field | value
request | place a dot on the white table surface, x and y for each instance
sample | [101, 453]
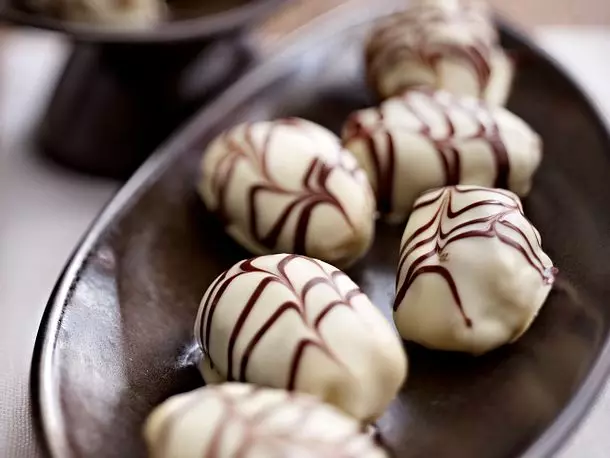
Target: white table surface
[45, 209]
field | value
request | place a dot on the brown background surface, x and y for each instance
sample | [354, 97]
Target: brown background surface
[538, 12]
[527, 13]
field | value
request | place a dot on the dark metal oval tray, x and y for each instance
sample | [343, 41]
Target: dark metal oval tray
[116, 336]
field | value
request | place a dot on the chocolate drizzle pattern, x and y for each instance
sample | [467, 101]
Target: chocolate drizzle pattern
[251, 410]
[449, 225]
[378, 136]
[416, 35]
[313, 192]
[210, 305]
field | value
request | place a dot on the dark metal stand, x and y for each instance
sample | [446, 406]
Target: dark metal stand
[115, 103]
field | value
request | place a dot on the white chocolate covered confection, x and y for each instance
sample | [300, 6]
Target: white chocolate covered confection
[428, 139]
[235, 420]
[289, 186]
[296, 323]
[472, 275]
[449, 44]
[110, 13]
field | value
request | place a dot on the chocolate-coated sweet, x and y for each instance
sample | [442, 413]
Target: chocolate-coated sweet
[472, 275]
[449, 44]
[289, 186]
[297, 323]
[236, 420]
[427, 139]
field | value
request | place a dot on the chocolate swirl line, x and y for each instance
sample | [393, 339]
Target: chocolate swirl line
[253, 425]
[407, 36]
[384, 171]
[314, 190]
[446, 146]
[442, 239]
[297, 305]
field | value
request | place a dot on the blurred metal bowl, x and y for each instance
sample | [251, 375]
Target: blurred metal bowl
[215, 23]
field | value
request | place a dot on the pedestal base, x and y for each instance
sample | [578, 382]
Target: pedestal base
[116, 103]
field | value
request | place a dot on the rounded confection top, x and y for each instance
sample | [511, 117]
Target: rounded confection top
[251, 422]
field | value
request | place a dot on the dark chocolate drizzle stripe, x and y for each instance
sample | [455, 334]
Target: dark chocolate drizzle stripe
[314, 190]
[164, 434]
[384, 169]
[298, 306]
[447, 146]
[254, 425]
[389, 45]
[424, 203]
[443, 239]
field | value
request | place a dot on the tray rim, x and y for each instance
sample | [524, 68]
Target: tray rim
[46, 402]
